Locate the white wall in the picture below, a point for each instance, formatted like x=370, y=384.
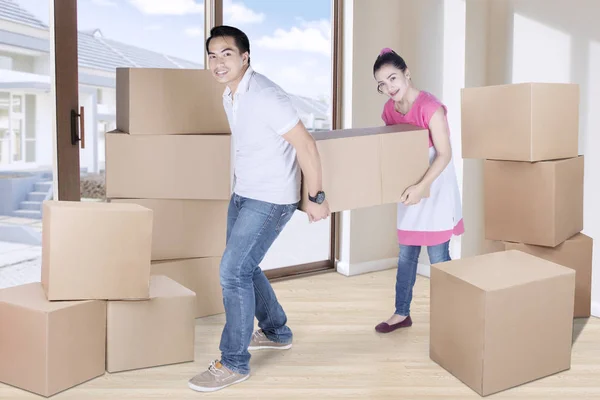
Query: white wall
x=453, y=80
x=542, y=41
x=478, y=55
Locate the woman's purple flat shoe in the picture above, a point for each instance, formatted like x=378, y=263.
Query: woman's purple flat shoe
x=384, y=327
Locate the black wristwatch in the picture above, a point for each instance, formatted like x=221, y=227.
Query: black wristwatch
x=319, y=198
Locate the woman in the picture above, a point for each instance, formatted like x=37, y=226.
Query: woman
x=421, y=221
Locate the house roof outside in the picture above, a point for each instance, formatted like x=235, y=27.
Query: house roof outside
x=11, y=11
x=99, y=53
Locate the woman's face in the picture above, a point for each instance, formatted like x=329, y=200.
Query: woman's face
x=392, y=82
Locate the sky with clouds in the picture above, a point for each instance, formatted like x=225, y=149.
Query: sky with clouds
x=290, y=40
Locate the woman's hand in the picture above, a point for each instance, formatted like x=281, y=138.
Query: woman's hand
x=413, y=194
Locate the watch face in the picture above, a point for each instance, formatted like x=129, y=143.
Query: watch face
x=320, y=197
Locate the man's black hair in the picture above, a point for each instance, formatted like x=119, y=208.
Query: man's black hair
x=239, y=37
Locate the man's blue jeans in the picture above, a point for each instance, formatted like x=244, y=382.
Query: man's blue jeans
x=252, y=227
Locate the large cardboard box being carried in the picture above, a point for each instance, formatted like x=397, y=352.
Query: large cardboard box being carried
x=161, y=101
x=371, y=166
x=186, y=228
x=575, y=253
x=96, y=251
x=159, y=331
x=520, y=122
x=47, y=347
x=200, y=275
x=537, y=203
x=501, y=319
x=194, y=167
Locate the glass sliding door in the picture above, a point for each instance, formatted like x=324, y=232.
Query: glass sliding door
x=147, y=34
x=28, y=100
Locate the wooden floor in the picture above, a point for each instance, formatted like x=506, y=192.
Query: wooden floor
x=338, y=355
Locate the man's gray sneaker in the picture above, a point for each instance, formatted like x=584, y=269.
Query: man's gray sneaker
x=217, y=377
x=260, y=341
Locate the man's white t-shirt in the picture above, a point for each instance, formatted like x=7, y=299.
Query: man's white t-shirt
x=265, y=164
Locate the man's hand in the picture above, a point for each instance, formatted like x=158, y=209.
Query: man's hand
x=317, y=212
x=310, y=163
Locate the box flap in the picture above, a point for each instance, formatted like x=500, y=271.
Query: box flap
x=32, y=296
x=581, y=238
x=201, y=275
x=163, y=286
x=354, y=132
x=558, y=161
x=95, y=206
x=504, y=269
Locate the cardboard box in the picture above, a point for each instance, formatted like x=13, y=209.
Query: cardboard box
x=95, y=251
x=193, y=167
x=159, y=331
x=520, y=122
x=48, y=347
x=534, y=203
x=186, y=228
x=502, y=319
x=371, y=166
x=159, y=101
x=575, y=253
x=200, y=275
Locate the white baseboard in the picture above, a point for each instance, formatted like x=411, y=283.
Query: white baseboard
x=347, y=269
x=596, y=309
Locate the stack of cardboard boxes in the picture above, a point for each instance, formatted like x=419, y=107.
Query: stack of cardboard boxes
x=122, y=282
x=171, y=153
x=533, y=176
x=502, y=319
x=97, y=307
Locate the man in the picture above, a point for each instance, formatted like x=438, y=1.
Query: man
x=272, y=147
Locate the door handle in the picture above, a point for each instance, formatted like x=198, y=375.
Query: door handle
x=78, y=130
